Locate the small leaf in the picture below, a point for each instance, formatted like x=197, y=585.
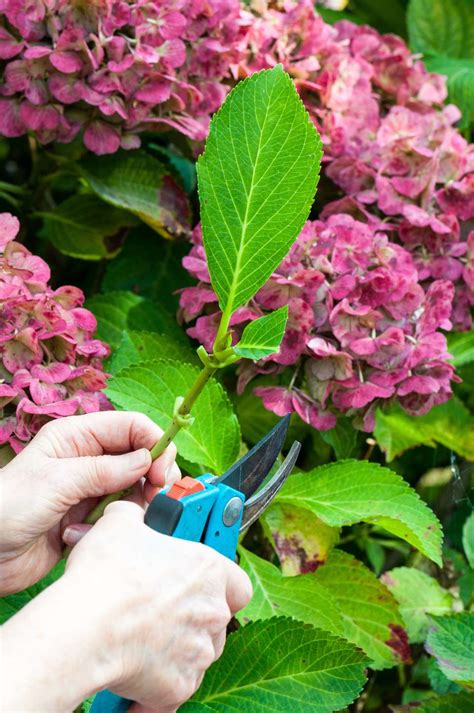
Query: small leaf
x=450, y=424
x=438, y=681
x=451, y=703
x=119, y=311
x=451, y=640
x=441, y=27
x=281, y=665
x=347, y=492
x=342, y=438
x=468, y=539
x=83, y=226
x=257, y=179
x=300, y=539
x=263, y=336
x=152, y=387
x=461, y=347
x=376, y=555
x=136, y=347
x=12, y=603
x=137, y=182
x=418, y=595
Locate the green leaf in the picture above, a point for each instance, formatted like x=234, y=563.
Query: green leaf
x=450, y=703
x=301, y=541
x=450, y=424
x=85, y=227
x=257, y=179
x=451, y=640
x=438, y=681
x=468, y=539
x=351, y=491
x=375, y=554
x=342, y=438
x=263, y=336
x=139, y=183
x=152, y=388
x=280, y=666
x=441, y=27
x=12, y=603
x=460, y=74
x=418, y=595
x=461, y=347
x=136, y=347
x=150, y=267
x=118, y=311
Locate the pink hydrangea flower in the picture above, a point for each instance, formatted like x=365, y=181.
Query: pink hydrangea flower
x=362, y=331
x=50, y=366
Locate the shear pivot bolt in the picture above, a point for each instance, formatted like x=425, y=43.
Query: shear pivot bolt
x=232, y=512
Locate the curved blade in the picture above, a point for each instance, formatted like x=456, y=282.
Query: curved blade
x=250, y=471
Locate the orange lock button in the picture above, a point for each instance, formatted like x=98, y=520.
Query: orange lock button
x=186, y=486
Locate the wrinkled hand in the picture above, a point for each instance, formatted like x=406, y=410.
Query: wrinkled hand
x=60, y=476
x=161, y=606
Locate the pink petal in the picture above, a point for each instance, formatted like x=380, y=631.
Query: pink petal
x=101, y=138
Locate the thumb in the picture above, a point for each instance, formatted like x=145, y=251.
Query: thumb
x=93, y=476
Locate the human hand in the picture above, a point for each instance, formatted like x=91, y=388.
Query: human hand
x=59, y=477
x=161, y=606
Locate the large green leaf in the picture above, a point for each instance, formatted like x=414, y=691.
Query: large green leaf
x=137, y=182
x=468, y=539
x=279, y=666
x=451, y=640
x=152, y=388
x=460, y=74
x=342, y=597
x=86, y=227
x=442, y=27
x=461, y=346
x=263, y=336
x=418, y=595
x=119, y=311
x=138, y=346
x=257, y=179
x=301, y=540
x=351, y=491
x=450, y=424
x=12, y=603
x=450, y=703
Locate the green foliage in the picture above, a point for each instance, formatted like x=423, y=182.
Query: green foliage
x=418, y=595
x=213, y=440
x=468, y=539
x=450, y=424
x=260, y=672
x=451, y=640
x=12, y=603
x=351, y=491
x=442, y=31
x=451, y=703
x=257, y=179
x=137, y=346
x=342, y=438
x=263, y=336
x=139, y=183
x=84, y=227
x=461, y=347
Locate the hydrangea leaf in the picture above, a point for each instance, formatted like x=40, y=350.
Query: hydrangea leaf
x=301, y=540
x=139, y=183
x=351, y=491
x=438, y=681
x=12, y=603
x=450, y=424
x=257, y=179
x=468, y=539
x=85, y=227
x=342, y=597
x=451, y=640
x=441, y=27
x=342, y=438
x=450, y=703
x=137, y=346
x=461, y=347
x=281, y=665
x=263, y=336
x=460, y=74
x=418, y=595
x=118, y=311
x=152, y=387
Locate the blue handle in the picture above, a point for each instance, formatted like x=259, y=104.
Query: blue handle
x=211, y=516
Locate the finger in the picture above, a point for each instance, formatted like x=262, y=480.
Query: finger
x=219, y=643
x=151, y=490
x=75, y=532
x=97, y=433
x=124, y=508
x=164, y=470
x=79, y=512
x=239, y=589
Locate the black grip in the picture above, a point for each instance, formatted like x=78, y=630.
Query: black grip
x=163, y=514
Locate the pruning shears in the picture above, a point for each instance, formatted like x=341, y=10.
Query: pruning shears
x=215, y=510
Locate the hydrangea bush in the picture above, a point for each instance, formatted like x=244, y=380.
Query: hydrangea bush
x=50, y=364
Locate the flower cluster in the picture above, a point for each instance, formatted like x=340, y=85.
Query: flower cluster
x=362, y=331
x=114, y=68
x=390, y=145
x=49, y=364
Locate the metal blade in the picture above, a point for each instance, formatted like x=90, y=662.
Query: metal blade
x=250, y=471
x=255, y=505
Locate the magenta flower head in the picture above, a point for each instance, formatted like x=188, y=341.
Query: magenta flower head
x=362, y=331
x=114, y=68
x=50, y=365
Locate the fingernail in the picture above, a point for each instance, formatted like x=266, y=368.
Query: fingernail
x=73, y=533
x=172, y=473
x=140, y=458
